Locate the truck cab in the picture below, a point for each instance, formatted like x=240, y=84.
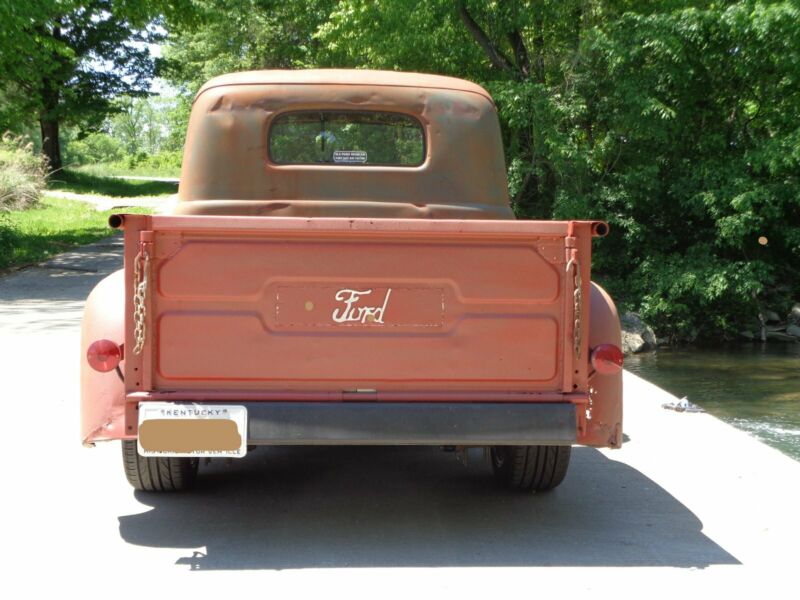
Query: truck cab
x=342, y=266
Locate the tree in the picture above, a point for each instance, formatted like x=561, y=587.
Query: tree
x=236, y=35
x=135, y=124
x=65, y=60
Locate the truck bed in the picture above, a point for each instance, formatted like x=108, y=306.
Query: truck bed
x=282, y=309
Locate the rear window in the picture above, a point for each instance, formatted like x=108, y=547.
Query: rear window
x=346, y=138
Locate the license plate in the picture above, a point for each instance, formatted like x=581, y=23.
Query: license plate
x=187, y=429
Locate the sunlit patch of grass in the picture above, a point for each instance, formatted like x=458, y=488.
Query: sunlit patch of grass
x=52, y=226
x=123, y=170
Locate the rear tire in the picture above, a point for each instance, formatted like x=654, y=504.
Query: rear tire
x=150, y=474
x=530, y=468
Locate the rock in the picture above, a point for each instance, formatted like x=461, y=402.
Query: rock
x=633, y=343
x=779, y=336
x=637, y=336
x=793, y=330
x=770, y=316
x=683, y=405
x=794, y=315
x=748, y=335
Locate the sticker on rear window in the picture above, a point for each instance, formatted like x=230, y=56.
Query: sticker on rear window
x=349, y=156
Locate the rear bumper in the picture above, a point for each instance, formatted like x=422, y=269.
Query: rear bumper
x=410, y=423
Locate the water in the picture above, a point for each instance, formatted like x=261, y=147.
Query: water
x=755, y=387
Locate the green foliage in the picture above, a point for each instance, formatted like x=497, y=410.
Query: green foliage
x=78, y=55
x=141, y=137
x=408, y=35
x=52, y=226
x=97, y=147
x=162, y=165
x=168, y=161
x=22, y=173
x=706, y=162
x=237, y=35
x=176, y=121
x=141, y=124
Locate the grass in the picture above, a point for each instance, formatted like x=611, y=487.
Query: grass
x=140, y=170
x=52, y=226
x=83, y=182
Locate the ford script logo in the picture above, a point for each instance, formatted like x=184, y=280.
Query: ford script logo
x=354, y=312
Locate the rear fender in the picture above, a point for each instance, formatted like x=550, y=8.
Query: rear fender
x=103, y=394
x=604, y=426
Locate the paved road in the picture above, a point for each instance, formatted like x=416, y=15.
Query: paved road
x=688, y=504
x=108, y=203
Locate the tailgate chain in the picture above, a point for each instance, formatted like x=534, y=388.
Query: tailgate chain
x=141, y=270
x=578, y=303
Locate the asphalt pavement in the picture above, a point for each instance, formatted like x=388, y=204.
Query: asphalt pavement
x=688, y=505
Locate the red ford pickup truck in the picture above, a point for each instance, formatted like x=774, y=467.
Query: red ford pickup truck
x=342, y=266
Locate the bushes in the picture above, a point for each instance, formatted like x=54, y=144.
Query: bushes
x=161, y=161
x=694, y=162
x=22, y=178
x=161, y=164
x=105, y=151
x=94, y=148
x=22, y=173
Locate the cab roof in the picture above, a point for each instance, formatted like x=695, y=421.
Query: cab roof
x=348, y=77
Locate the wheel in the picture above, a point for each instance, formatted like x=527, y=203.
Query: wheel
x=530, y=468
x=157, y=474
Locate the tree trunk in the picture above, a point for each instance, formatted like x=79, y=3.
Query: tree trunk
x=537, y=192
x=493, y=52
x=49, y=116
x=536, y=196
x=51, y=147
x=538, y=45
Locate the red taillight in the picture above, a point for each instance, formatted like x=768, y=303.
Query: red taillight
x=607, y=359
x=104, y=355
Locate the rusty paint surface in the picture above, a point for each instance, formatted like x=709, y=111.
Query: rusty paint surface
x=103, y=394
x=227, y=170
x=370, y=283
x=604, y=429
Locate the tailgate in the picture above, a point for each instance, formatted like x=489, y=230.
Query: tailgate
x=343, y=305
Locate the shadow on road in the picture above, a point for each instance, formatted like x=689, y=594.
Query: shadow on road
x=305, y=507
x=51, y=296
x=112, y=187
